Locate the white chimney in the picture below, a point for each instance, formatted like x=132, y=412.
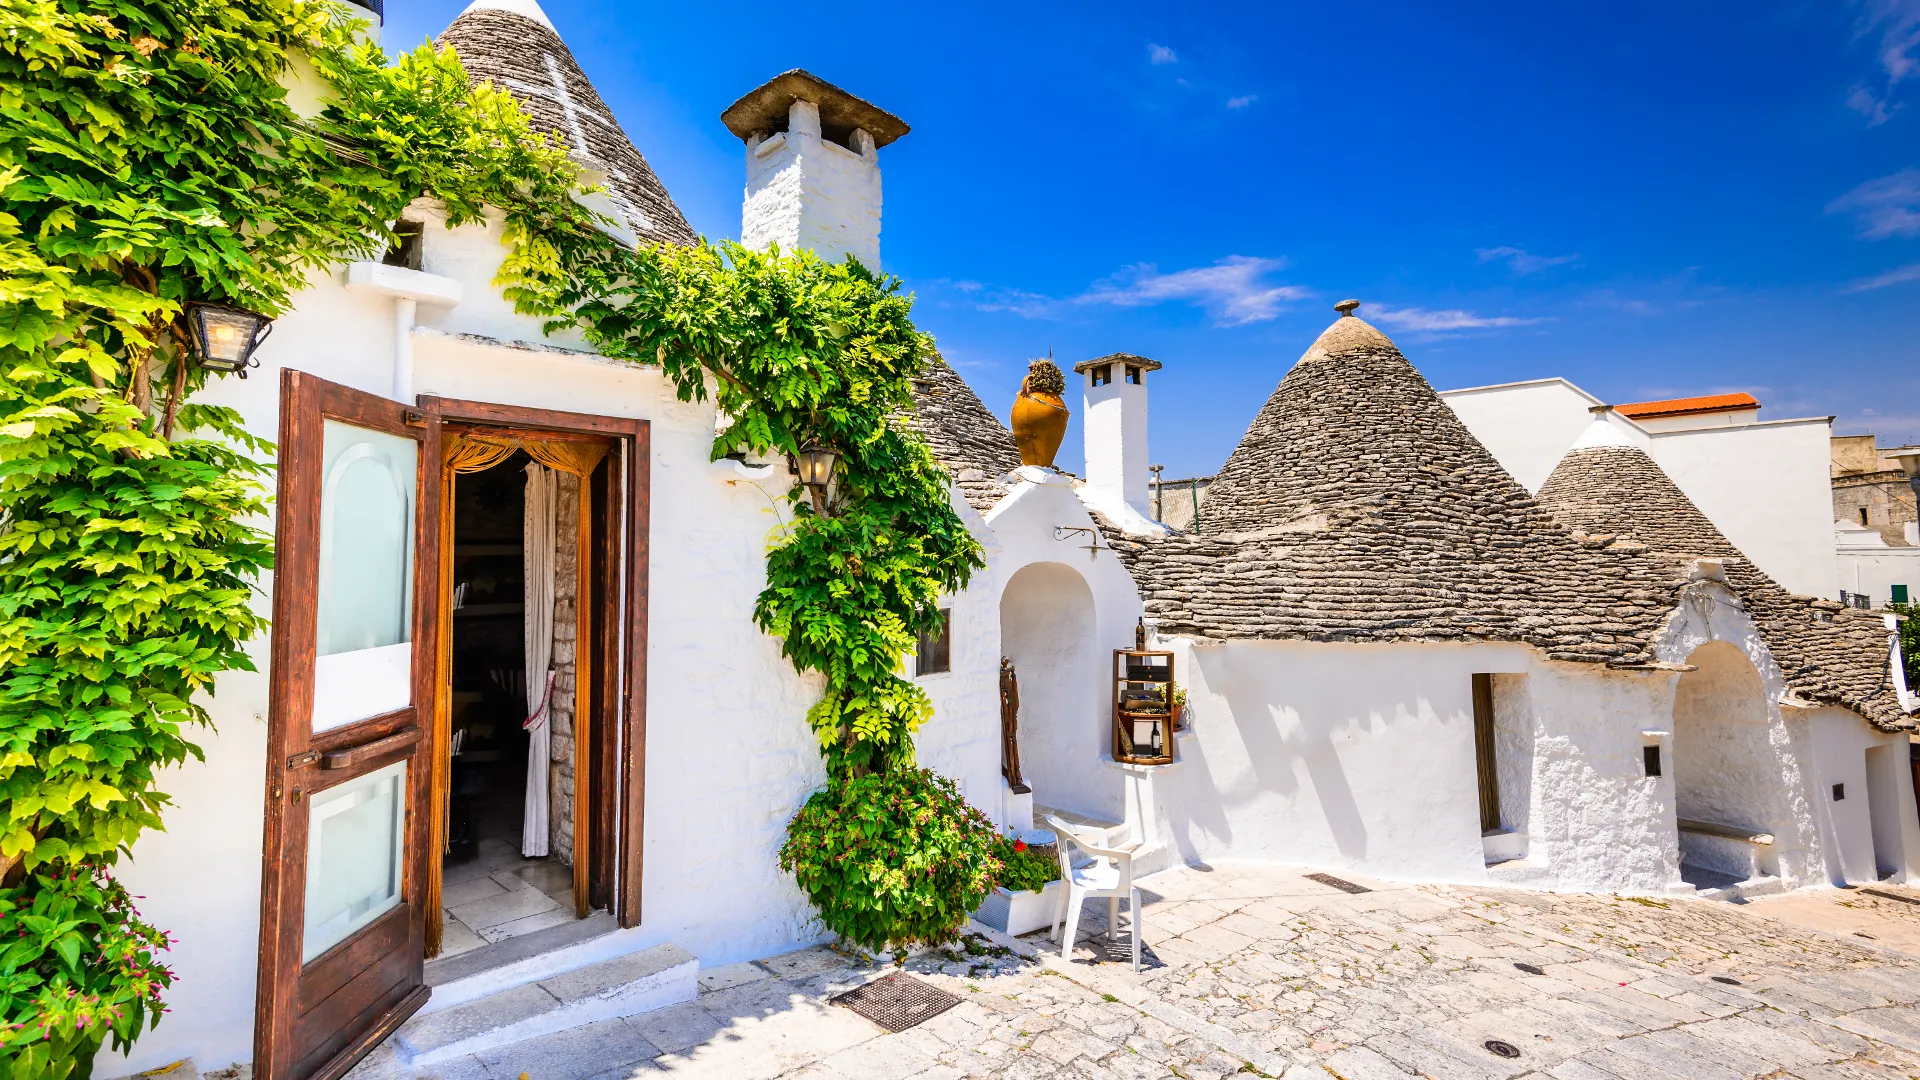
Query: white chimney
x=1114, y=419
x=813, y=167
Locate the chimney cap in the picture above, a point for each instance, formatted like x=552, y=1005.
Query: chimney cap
x=764, y=109
x=1346, y=307
x=1126, y=358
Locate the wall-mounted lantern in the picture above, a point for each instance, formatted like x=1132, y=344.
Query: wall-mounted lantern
x=816, y=471
x=224, y=338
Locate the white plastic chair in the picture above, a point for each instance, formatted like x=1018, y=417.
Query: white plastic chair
x=1110, y=874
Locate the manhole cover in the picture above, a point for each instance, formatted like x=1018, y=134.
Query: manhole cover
x=897, y=1002
x=1530, y=969
x=1503, y=1049
x=1727, y=980
x=1339, y=883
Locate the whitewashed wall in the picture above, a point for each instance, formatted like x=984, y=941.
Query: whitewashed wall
x=962, y=740
x=729, y=754
x=1354, y=756
x=1875, y=827
x=1768, y=486
x=1571, y=753
x=1764, y=484
x=1874, y=571
x=1526, y=426
x=1066, y=741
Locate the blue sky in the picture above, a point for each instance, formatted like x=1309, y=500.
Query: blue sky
x=1648, y=199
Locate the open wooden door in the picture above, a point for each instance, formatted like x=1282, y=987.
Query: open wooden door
x=341, y=918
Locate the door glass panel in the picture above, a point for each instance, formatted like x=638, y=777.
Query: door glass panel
x=364, y=659
x=355, y=849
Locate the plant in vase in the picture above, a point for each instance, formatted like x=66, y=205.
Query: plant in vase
x=1179, y=708
x=1026, y=896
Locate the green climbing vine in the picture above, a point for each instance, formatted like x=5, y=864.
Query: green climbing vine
x=149, y=156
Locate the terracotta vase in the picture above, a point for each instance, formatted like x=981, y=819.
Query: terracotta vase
x=1039, y=424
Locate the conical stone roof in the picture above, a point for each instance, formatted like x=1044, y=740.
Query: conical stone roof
x=512, y=44
x=1610, y=490
x=1359, y=508
x=966, y=438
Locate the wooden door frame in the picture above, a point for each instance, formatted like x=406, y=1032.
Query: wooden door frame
x=305, y=405
x=623, y=765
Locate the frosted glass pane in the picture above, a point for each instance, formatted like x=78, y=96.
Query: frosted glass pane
x=355, y=856
x=366, y=539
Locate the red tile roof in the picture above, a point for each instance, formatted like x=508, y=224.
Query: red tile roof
x=1642, y=410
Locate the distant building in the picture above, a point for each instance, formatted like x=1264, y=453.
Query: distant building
x=1874, y=488
x=1174, y=502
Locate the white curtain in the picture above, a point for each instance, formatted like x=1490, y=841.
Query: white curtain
x=538, y=538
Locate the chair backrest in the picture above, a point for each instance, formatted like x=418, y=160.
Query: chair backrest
x=1122, y=860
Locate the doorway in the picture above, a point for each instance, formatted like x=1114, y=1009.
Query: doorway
x=415, y=755
x=507, y=864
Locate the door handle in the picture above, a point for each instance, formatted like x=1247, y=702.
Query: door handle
x=347, y=757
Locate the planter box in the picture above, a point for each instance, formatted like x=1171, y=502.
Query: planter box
x=1016, y=913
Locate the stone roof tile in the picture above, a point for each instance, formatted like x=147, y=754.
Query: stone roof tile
x=524, y=56
x=1359, y=508
x=964, y=435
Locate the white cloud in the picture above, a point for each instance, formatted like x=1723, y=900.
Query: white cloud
x=1161, y=54
x=1242, y=101
x=1889, y=206
x=1898, y=276
x=1521, y=261
x=1234, y=290
x=1421, y=319
x=1018, y=302
x=1896, y=25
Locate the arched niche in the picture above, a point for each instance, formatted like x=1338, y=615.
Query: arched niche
x=1047, y=630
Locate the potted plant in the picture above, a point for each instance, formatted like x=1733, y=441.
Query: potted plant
x=1179, y=708
x=1027, y=896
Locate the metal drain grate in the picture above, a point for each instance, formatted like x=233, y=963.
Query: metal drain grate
x=1503, y=1049
x=1729, y=980
x=1339, y=883
x=897, y=1002
x=1531, y=969
x=1890, y=896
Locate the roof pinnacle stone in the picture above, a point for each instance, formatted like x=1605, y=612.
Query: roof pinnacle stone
x=1347, y=307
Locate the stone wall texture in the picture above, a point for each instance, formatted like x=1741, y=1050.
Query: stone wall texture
x=566, y=631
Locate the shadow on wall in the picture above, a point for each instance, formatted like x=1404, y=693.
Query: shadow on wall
x=1277, y=736
x=1047, y=630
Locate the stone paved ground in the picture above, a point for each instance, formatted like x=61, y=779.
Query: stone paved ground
x=1258, y=971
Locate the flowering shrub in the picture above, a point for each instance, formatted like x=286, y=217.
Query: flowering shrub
x=1025, y=870
x=892, y=858
x=81, y=968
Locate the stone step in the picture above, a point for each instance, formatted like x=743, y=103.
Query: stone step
x=626, y=985
x=517, y=961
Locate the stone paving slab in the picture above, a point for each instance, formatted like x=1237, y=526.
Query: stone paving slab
x=1256, y=971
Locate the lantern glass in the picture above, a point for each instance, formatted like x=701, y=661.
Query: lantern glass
x=816, y=465
x=225, y=337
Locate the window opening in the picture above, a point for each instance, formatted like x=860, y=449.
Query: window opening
x=1839, y=792
x=406, y=245
x=1133, y=374
x=1651, y=756
x=1102, y=375
x=934, y=652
